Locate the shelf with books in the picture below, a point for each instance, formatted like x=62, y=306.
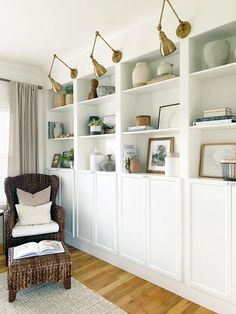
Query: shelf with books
x=214, y=126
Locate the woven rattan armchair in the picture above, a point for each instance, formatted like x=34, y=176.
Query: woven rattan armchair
x=31, y=183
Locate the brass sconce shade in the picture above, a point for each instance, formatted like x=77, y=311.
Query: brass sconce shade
x=55, y=85
x=182, y=31
x=99, y=69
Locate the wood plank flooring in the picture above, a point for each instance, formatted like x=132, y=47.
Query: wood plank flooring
x=133, y=294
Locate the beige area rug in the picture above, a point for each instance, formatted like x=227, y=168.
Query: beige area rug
x=53, y=298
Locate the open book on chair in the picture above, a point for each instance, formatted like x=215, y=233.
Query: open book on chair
x=44, y=247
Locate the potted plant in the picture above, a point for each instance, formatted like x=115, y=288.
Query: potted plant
x=96, y=126
x=69, y=94
x=68, y=159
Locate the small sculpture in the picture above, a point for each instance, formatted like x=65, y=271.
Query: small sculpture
x=93, y=92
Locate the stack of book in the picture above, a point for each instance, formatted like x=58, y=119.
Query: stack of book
x=216, y=116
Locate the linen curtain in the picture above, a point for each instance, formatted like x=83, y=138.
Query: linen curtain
x=23, y=137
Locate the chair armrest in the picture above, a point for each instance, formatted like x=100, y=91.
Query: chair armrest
x=58, y=215
x=9, y=223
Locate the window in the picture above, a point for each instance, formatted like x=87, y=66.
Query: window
x=4, y=139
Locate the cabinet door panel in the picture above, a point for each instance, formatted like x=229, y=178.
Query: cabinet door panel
x=105, y=211
x=133, y=206
x=67, y=198
x=210, y=237
x=164, y=226
x=234, y=243
x=85, y=190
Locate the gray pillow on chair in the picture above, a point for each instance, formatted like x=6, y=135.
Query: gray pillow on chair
x=39, y=198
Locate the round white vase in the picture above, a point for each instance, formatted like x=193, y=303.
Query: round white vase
x=57, y=131
x=164, y=68
x=141, y=74
x=216, y=53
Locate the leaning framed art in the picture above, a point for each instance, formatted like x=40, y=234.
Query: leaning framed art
x=158, y=148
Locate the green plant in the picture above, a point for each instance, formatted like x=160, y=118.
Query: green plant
x=96, y=122
x=69, y=156
x=68, y=89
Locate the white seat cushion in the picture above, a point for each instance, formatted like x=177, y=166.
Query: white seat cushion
x=24, y=231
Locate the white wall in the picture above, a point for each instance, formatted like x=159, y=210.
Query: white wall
x=27, y=74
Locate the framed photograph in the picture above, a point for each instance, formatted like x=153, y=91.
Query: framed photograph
x=109, y=124
x=158, y=148
x=168, y=116
x=56, y=161
x=64, y=160
x=211, y=156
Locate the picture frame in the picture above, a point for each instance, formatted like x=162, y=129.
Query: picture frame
x=56, y=161
x=109, y=124
x=158, y=148
x=168, y=117
x=64, y=162
x=210, y=158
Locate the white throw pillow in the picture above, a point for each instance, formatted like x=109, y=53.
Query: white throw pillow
x=30, y=215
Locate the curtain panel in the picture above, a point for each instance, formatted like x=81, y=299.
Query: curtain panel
x=23, y=135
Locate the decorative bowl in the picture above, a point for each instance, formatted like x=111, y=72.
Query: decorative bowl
x=105, y=90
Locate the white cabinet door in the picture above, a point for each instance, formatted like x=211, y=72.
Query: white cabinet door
x=85, y=205
x=234, y=243
x=105, y=211
x=132, y=224
x=67, y=198
x=164, y=227
x=211, y=237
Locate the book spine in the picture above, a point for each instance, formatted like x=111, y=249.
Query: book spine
x=216, y=118
x=217, y=112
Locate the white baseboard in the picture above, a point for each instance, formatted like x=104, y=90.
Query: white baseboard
x=180, y=288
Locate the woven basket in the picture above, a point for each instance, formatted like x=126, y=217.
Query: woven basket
x=59, y=100
x=143, y=120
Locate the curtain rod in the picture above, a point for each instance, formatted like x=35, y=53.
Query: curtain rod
x=8, y=81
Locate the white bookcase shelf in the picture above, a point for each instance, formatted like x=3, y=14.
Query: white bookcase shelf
x=63, y=108
x=155, y=131
x=155, y=87
x=61, y=139
x=98, y=101
x=214, y=127
x=97, y=136
x=214, y=73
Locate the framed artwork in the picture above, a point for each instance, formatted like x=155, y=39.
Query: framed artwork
x=168, y=116
x=64, y=160
x=211, y=156
x=158, y=148
x=109, y=124
x=56, y=161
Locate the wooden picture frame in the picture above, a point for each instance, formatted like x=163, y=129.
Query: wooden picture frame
x=210, y=158
x=156, y=153
x=56, y=161
x=168, y=117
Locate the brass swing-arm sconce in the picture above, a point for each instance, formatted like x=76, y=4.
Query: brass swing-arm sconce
x=55, y=85
x=182, y=31
x=99, y=69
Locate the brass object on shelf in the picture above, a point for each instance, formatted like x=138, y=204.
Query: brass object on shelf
x=182, y=31
x=99, y=69
x=55, y=85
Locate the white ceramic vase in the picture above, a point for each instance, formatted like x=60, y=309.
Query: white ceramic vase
x=141, y=74
x=216, y=53
x=57, y=131
x=95, y=159
x=164, y=68
x=172, y=165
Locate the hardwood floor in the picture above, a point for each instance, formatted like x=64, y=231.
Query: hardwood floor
x=133, y=294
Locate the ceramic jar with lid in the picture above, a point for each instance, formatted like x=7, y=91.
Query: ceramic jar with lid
x=172, y=165
x=95, y=159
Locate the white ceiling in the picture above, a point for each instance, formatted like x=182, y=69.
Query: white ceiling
x=31, y=31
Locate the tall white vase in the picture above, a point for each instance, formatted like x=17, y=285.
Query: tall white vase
x=141, y=74
x=57, y=131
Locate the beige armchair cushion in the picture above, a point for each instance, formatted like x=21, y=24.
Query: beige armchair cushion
x=34, y=215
